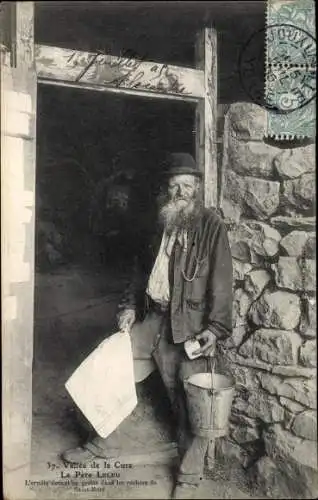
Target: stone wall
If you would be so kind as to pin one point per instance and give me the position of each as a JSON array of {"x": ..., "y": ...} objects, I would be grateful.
[{"x": 268, "y": 204}]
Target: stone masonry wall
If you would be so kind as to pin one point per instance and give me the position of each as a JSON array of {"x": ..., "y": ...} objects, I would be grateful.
[{"x": 268, "y": 204}]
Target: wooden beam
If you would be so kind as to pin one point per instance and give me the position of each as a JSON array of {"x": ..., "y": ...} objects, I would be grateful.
[
  {"x": 206, "y": 115},
  {"x": 114, "y": 90},
  {"x": 206, "y": 136},
  {"x": 24, "y": 41},
  {"x": 119, "y": 73}
]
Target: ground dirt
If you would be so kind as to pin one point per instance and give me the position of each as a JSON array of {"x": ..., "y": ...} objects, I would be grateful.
[{"x": 75, "y": 308}]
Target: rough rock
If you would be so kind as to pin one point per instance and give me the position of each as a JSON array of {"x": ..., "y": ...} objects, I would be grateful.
[
  {"x": 289, "y": 418},
  {"x": 231, "y": 202},
  {"x": 249, "y": 196},
  {"x": 235, "y": 310},
  {"x": 241, "y": 251},
  {"x": 283, "y": 444},
  {"x": 259, "y": 261},
  {"x": 226, "y": 450},
  {"x": 246, "y": 377},
  {"x": 244, "y": 429},
  {"x": 255, "y": 282},
  {"x": 295, "y": 275},
  {"x": 260, "y": 405},
  {"x": 310, "y": 246},
  {"x": 285, "y": 224},
  {"x": 277, "y": 347},
  {"x": 305, "y": 425},
  {"x": 291, "y": 163},
  {"x": 236, "y": 338},
  {"x": 288, "y": 273},
  {"x": 291, "y": 405},
  {"x": 264, "y": 240},
  {"x": 300, "y": 390},
  {"x": 234, "y": 357},
  {"x": 294, "y": 243},
  {"x": 308, "y": 324},
  {"x": 251, "y": 158},
  {"x": 256, "y": 237},
  {"x": 308, "y": 267},
  {"x": 282, "y": 479},
  {"x": 293, "y": 371},
  {"x": 247, "y": 121},
  {"x": 308, "y": 353},
  {"x": 233, "y": 184},
  {"x": 300, "y": 192},
  {"x": 232, "y": 211},
  {"x": 278, "y": 309},
  {"x": 239, "y": 405},
  {"x": 239, "y": 238},
  {"x": 265, "y": 473},
  {"x": 312, "y": 313},
  {"x": 261, "y": 197},
  {"x": 240, "y": 269},
  {"x": 244, "y": 433},
  {"x": 243, "y": 301},
  {"x": 241, "y": 305},
  {"x": 243, "y": 420}
]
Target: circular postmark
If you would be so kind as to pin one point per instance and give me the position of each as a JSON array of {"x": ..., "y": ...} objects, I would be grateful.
[{"x": 277, "y": 68}]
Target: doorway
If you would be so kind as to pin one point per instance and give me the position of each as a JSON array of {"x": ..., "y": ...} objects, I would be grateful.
[{"x": 98, "y": 172}]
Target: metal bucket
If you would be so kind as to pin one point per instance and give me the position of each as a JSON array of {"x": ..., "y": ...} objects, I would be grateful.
[{"x": 209, "y": 401}]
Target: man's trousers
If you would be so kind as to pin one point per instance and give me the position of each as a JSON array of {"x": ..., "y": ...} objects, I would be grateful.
[{"x": 152, "y": 348}]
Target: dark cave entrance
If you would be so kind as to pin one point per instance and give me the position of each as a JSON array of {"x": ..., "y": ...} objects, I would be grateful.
[{"x": 98, "y": 164}]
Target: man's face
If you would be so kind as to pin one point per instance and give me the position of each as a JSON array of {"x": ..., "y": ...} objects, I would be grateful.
[
  {"x": 182, "y": 189},
  {"x": 178, "y": 203}
]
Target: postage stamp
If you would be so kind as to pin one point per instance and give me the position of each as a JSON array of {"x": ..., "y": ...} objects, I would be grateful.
[
  {"x": 290, "y": 74},
  {"x": 295, "y": 13}
]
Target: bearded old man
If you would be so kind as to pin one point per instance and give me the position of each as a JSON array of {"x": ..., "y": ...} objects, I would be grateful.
[{"x": 181, "y": 289}]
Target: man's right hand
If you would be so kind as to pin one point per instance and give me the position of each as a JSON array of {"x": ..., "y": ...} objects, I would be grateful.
[{"x": 126, "y": 319}]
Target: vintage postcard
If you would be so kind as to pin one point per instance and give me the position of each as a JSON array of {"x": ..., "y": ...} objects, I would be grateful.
[{"x": 158, "y": 246}]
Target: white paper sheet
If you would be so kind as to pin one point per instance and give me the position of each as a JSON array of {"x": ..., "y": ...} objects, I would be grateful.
[{"x": 103, "y": 386}]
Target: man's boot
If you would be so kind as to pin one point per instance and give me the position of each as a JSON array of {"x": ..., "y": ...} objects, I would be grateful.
[
  {"x": 83, "y": 454},
  {"x": 184, "y": 491}
]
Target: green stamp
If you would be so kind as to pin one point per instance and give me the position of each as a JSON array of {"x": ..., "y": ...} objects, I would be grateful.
[
  {"x": 289, "y": 45},
  {"x": 290, "y": 78}
]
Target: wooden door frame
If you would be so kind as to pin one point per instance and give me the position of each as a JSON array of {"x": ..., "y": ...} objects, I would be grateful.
[
  {"x": 137, "y": 78},
  {"x": 27, "y": 62}
]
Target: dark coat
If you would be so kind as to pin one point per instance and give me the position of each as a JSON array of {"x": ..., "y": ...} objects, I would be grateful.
[{"x": 200, "y": 280}]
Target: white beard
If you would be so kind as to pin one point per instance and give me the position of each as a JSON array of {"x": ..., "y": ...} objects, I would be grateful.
[{"x": 177, "y": 213}]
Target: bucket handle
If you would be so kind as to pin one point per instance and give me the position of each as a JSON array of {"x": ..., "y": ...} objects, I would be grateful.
[
  {"x": 211, "y": 363},
  {"x": 211, "y": 445}
]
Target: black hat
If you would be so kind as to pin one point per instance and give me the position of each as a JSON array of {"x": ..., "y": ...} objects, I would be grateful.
[{"x": 181, "y": 163}]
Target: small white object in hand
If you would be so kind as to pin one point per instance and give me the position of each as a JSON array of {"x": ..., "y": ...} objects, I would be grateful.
[{"x": 190, "y": 346}]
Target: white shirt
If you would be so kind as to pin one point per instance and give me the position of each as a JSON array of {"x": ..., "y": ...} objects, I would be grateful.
[{"x": 158, "y": 285}]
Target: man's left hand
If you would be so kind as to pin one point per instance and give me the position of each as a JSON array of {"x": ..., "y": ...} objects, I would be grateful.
[{"x": 209, "y": 343}]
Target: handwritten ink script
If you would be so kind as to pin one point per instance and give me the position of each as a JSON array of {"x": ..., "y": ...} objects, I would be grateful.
[{"x": 128, "y": 71}]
